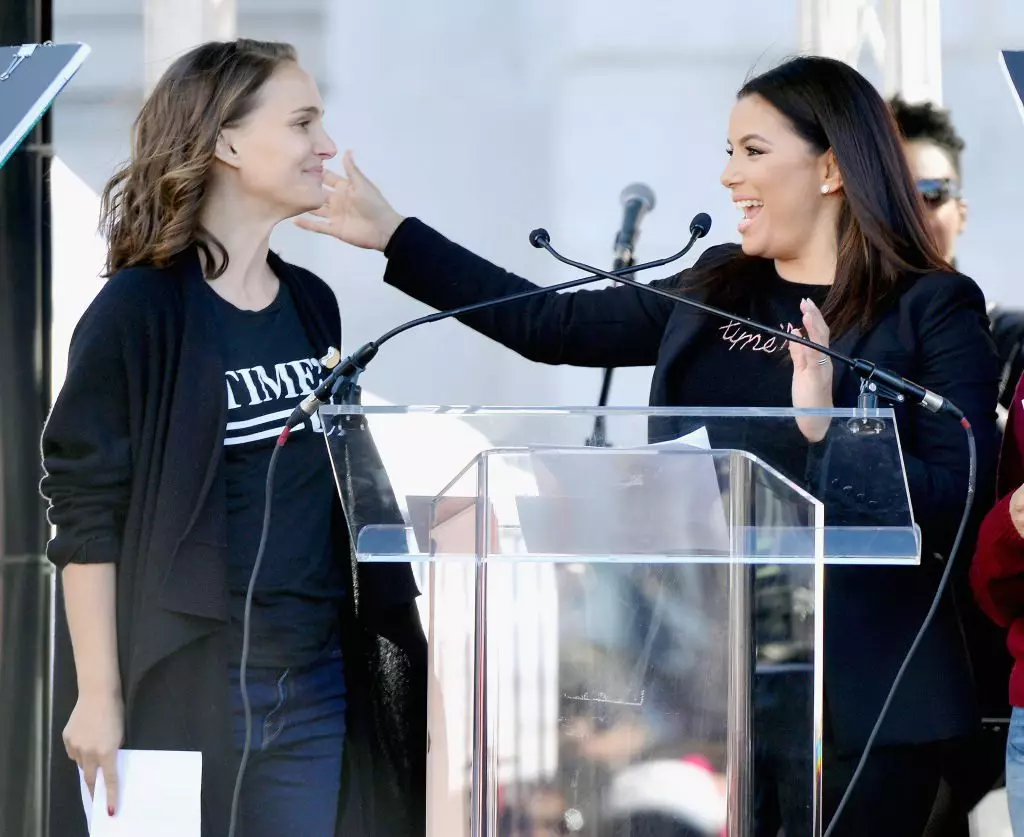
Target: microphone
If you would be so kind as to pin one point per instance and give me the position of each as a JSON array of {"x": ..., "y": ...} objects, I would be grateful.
[
  {"x": 540, "y": 239},
  {"x": 877, "y": 380},
  {"x": 637, "y": 200},
  {"x": 700, "y": 226},
  {"x": 356, "y": 362}
]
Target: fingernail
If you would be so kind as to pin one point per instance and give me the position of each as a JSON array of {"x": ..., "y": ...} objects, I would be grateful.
[{"x": 110, "y": 810}]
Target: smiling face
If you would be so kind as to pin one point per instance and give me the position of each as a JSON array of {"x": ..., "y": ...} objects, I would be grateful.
[
  {"x": 277, "y": 152},
  {"x": 776, "y": 180}
]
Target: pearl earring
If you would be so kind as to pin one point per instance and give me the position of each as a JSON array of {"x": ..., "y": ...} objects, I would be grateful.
[{"x": 824, "y": 188}]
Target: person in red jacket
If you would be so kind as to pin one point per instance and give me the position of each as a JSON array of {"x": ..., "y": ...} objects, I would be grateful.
[{"x": 997, "y": 576}]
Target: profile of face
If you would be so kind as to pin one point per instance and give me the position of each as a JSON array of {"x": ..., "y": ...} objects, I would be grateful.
[
  {"x": 776, "y": 178},
  {"x": 274, "y": 157},
  {"x": 939, "y": 185}
]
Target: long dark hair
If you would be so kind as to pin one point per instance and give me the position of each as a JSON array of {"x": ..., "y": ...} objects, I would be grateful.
[
  {"x": 882, "y": 235},
  {"x": 150, "y": 207}
]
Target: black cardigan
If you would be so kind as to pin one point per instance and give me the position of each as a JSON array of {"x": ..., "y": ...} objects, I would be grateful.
[
  {"x": 936, "y": 333},
  {"x": 132, "y": 454}
]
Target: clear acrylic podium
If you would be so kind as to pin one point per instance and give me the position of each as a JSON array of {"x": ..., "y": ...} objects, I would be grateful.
[{"x": 612, "y": 628}]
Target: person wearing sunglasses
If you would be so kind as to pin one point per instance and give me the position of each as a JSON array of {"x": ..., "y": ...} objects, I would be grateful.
[{"x": 933, "y": 150}]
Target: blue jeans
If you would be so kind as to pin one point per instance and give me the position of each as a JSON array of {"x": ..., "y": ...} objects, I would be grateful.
[
  {"x": 293, "y": 775},
  {"x": 1015, "y": 771}
]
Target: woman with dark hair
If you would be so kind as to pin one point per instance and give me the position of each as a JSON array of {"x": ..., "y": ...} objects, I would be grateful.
[
  {"x": 155, "y": 454},
  {"x": 835, "y": 244}
]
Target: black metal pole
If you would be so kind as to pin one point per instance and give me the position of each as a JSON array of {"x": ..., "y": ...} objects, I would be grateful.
[
  {"x": 25, "y": 577},
  {"x": 599, "y": 435}
]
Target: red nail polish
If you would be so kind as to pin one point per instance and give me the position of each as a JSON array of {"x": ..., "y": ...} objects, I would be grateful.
[{"x": 110, "y": 810}]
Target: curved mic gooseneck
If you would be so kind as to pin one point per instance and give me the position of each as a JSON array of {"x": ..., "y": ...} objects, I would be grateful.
[
  {"x": 881, "y": 381},
  {"x": 352, "y": 366}
]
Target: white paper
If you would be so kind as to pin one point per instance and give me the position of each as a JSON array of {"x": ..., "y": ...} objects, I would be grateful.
[
  {"x": 696, "y": 439},
  {"x": 619, "y": 502},
  {"x": 159, "y": 796},
  {"x": 704, "y": 486}
]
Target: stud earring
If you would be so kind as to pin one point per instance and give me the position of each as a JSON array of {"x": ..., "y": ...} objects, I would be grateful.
[{"x": 824, "y": 188}]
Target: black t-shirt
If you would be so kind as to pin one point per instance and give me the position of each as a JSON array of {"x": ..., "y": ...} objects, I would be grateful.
[
  {"x": 734, "y": 366},
  {"x": 731, "y": 365},
  {"x": 270, "y": 367}
]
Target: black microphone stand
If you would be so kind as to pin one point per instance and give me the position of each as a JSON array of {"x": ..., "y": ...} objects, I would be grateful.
[{"x": 599, "y": 436}]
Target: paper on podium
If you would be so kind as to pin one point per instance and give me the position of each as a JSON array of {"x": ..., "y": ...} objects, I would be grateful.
[
  {"x": 695, "y": 439},
  {"x": 625, "y": 502},
  {"x": 159, "y": 796}
]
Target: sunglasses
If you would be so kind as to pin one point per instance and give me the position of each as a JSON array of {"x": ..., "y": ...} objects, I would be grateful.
[{"x": 936, "y": 191}]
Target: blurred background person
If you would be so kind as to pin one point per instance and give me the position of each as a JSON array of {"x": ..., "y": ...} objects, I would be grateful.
[{"x": 933, "y": 150}]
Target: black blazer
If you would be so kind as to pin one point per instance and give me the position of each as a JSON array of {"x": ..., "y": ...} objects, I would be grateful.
[
  {"x": 935, "y": 332},
  {"x": 132, "y": 454}
]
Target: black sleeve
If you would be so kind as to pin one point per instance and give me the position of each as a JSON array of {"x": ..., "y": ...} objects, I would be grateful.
[
  {"x": 958, "y": 361},
  {"x": 616, "y": 326},
  {"x": 86, "y": 447}
]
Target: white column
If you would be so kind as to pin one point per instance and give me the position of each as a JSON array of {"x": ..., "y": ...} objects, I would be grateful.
[
  {"x": 914, "y": 50},
  {"x": 173, "y": 26},
  {"x": 841, "y": 29},
  {"x": 902, "y": 35}
]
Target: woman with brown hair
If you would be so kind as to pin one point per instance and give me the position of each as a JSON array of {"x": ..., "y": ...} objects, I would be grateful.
[
  {"x": 834, "y": 243},
  {"x": 180, "y": 376}
]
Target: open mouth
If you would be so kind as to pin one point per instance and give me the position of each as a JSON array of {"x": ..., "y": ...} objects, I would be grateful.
[{"x": 750, "y": 210}]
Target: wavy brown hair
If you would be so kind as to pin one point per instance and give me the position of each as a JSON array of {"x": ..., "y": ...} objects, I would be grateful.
[
  {"x": 882, "y": 237},
  {"x": 150, "y": 208}
]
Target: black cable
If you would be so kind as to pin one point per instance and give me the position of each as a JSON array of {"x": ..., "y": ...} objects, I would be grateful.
[
  {"x": 943, "y": 582},
  {"x": 246, "y": 629}
]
